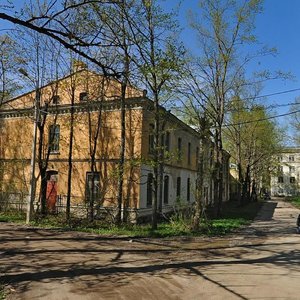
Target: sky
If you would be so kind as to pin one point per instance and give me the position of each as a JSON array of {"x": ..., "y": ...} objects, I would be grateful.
[{"x": 277, "y": 26}]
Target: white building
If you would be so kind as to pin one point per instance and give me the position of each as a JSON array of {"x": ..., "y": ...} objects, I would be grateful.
[{"x": 286, "y": 177}]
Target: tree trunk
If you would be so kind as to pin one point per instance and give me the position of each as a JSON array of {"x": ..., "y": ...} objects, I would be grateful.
[
  {"x": 219, "y": 172},
  {"x": 43, "y": 191},
  {"x": 70, "y": 157},
  {"x": 199, "y": 186}
]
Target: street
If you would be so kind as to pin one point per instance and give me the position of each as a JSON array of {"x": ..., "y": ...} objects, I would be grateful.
[{"x": 261, "y": 262}]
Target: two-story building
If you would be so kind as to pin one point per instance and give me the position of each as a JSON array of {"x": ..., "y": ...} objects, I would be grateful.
[{"x": 89, "y": 105}]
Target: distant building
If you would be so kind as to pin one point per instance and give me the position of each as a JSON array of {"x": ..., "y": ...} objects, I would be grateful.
[{"x": 286, "y": 174}]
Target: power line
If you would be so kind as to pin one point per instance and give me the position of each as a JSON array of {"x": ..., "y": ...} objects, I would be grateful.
[
  {"x": 273, "y": 94},
  {"x": 262, "y": 119}
]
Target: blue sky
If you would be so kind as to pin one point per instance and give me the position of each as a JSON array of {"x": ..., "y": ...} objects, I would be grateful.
[{"x": 277, "y": 26}]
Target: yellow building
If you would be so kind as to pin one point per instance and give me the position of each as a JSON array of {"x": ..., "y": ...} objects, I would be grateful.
[{"x": 92, "y": 104}]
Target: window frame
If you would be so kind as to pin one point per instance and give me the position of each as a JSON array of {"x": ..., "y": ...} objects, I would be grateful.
[
  {"x": 188, "y": 189},
  {"x": 178, "y": 187},
  {"x": 55, "y": 99},
  {"x": 166, "y": 189},
  {"x": 88, "y": 180},
  {"x": 167, "y": 141},
  {"x": 179, "y": 149},
  {"x": 149, "y": 199},
  {"x": 83, "y": 96},
  {"x": 292, "y": 169},
  {"x": 54, "y": 138},
  {"x": 197, "y": 156},
  {"x": 291, "y": 158},
  {"x": 189, "y": 153}
]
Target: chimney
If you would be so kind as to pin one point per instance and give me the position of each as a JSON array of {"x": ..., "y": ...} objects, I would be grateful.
[{"x": 78, "y": 65}]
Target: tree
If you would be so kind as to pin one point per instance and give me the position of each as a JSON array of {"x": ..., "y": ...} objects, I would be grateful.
[
  {"x": 158, "y": 58},
  {"x": 37, "y": 74},
  {"x": 253, "y": 141},
  {"x": 294, "y": 120},
  {"x": 9, "y": 62},
  {"x": 224, "y": 29}
]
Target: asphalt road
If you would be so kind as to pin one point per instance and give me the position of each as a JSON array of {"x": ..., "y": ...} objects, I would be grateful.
[{"x": 262, "y": 262}]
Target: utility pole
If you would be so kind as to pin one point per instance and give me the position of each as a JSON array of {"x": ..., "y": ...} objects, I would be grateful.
[{"x": 31, "y": 195}]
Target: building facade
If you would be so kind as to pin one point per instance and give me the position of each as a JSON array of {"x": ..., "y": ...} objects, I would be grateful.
[
  {"x": 87, "y": 106},
  {"x": 286, "y": 174}
]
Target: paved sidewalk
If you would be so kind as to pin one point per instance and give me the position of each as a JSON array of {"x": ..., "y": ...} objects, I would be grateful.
[{"x": 262, "y": 262}]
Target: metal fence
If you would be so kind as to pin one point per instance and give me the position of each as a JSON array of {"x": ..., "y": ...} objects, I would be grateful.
[{"x": 13, "y": 201}]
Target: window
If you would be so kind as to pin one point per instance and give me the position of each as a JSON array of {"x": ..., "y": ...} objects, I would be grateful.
[
  {"x": 166, "y": 189},
  {"x": 280, "y": 168},
  {"x": 54, "y": 135},
  {"x": 291, "y": 158},
  {"x": 151, "y": 138},
  {"x": 178, "y": 187},
  {"x": 179, "y": 148},
  {"x": 279, "y": 158},
  {"x": 56, "y": 99},
  {"x": 280, "y": 179},
  {"x": 197, "y": 156},
  {"x": 92, "y": 186},
  {"x": 167, "y": 141},
  {"x": 189, "y": 153},
  {"x": 292, "y": 179},
  {"x": 292, "y": 169},
  {"x": 188, "y": 190},
  {"x": 83, "y": 96},
  {"x": 149, "y": 189}
]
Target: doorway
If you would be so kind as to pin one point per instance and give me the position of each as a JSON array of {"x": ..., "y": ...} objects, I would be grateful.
[{"x": 51, "y": 194}]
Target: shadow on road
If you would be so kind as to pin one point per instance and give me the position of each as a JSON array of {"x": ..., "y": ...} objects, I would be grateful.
[
  {"x": 267, "y": 211},
  {"x": 103, "y": 265}
]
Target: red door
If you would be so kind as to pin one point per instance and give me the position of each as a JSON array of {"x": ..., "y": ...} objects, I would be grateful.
[{"x": 51, "y": 193}]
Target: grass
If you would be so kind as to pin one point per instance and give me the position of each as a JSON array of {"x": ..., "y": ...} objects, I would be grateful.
[
  {"x": 2, "y": 292},
  {"x": 233, "y": 218},
  {"x": 295, "y": 201},
  {"x": 12, "y": 216}
]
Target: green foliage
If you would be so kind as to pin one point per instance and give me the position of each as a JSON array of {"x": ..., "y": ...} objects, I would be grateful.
[
  {"x": 2, "y": 292},
  {"x": 12, "y": 216},
  {"x": 179, "y": 224},
  {"x": 294, "y": 200},
  {"x": 252, "y": 139}
]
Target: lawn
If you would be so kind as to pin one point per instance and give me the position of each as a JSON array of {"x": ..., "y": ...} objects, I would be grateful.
[
  {"x": 233, "y": 218},
  {"x": 295, "y": 201}
]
